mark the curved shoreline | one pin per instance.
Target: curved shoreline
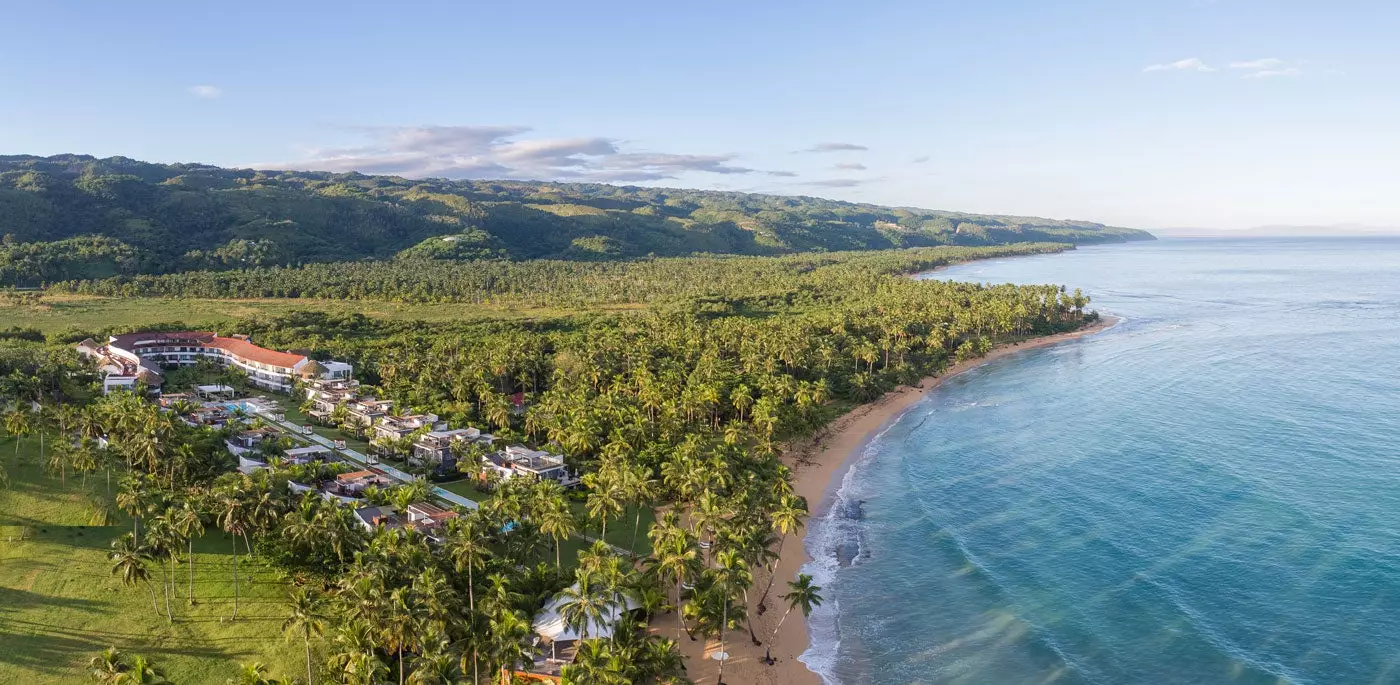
(819, 464)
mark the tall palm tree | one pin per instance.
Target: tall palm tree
(304, 616)
(232, 511)
(129, 563)
(641, 491)
(188, 523)
(556, 519)
(587, 602)
(18, 425)
(604, 496)
(509, 632)
(801, 594)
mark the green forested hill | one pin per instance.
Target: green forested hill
(72, 216)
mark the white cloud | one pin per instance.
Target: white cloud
(1254, 64)
(836, 147)
(850, 166)
(1275, 73)
(205, 91)
(498, 152)
(1190, 64)
(836, 183)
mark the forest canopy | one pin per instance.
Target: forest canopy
(132, 218)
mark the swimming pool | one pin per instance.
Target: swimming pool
(242, 405)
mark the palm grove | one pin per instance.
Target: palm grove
(682, 406)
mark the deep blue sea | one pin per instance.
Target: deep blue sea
(1207, 493)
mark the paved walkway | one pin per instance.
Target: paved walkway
(362, 460)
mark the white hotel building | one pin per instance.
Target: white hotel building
(127, 358)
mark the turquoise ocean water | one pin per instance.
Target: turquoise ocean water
(1207, 493)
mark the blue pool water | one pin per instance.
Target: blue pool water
(1207, 493)
(240, 405)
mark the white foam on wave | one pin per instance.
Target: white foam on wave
(825, 536)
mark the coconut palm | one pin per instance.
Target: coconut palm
(556, 519)
(188, 523)
(585, 603)
(304, 616)
(604, 496)
(233, 513)
(801, 594)
(105, 667)
(140, 672)
(509, 632)
(253, 673)
(641, 491)
(129, 563)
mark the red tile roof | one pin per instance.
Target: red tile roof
(236, 346)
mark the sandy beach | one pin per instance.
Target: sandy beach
(818, 465)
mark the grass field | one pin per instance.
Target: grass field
(54, 313)
(60, 605)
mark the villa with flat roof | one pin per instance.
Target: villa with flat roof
(138, 357)
(518, 460)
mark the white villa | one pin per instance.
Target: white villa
(518, 460)
(132, 357)
(395, 427)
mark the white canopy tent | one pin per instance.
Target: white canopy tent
(550, 625)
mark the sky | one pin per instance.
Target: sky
(1157, 114)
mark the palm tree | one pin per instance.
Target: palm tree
(105, 667)
(253, 673)
(435, 666)
(604, 496)
(163, 543)
(233, 516)
(801, 594)
(129, 562)
(17, 425)
(509, 632)
(188, 524)
(732, 577)
(556, 519)
(141, 672)
(587, 602)
(641, 490)
(674, 556)
(304, 616)
(134, 497)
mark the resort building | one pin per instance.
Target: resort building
(396, 427)
(325, 394)
(353, 484)
(518, 460)
(249, 440)
(370, 518)
(436, 447)
(367, 411)
(138, 357)
(428, 519)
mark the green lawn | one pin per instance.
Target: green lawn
(60, 605)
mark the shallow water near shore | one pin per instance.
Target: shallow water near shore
(1208, 492)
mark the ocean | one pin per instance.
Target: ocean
(1208, 492)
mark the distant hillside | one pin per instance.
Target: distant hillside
(73, 216)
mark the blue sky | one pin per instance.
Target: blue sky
(1145, 113)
